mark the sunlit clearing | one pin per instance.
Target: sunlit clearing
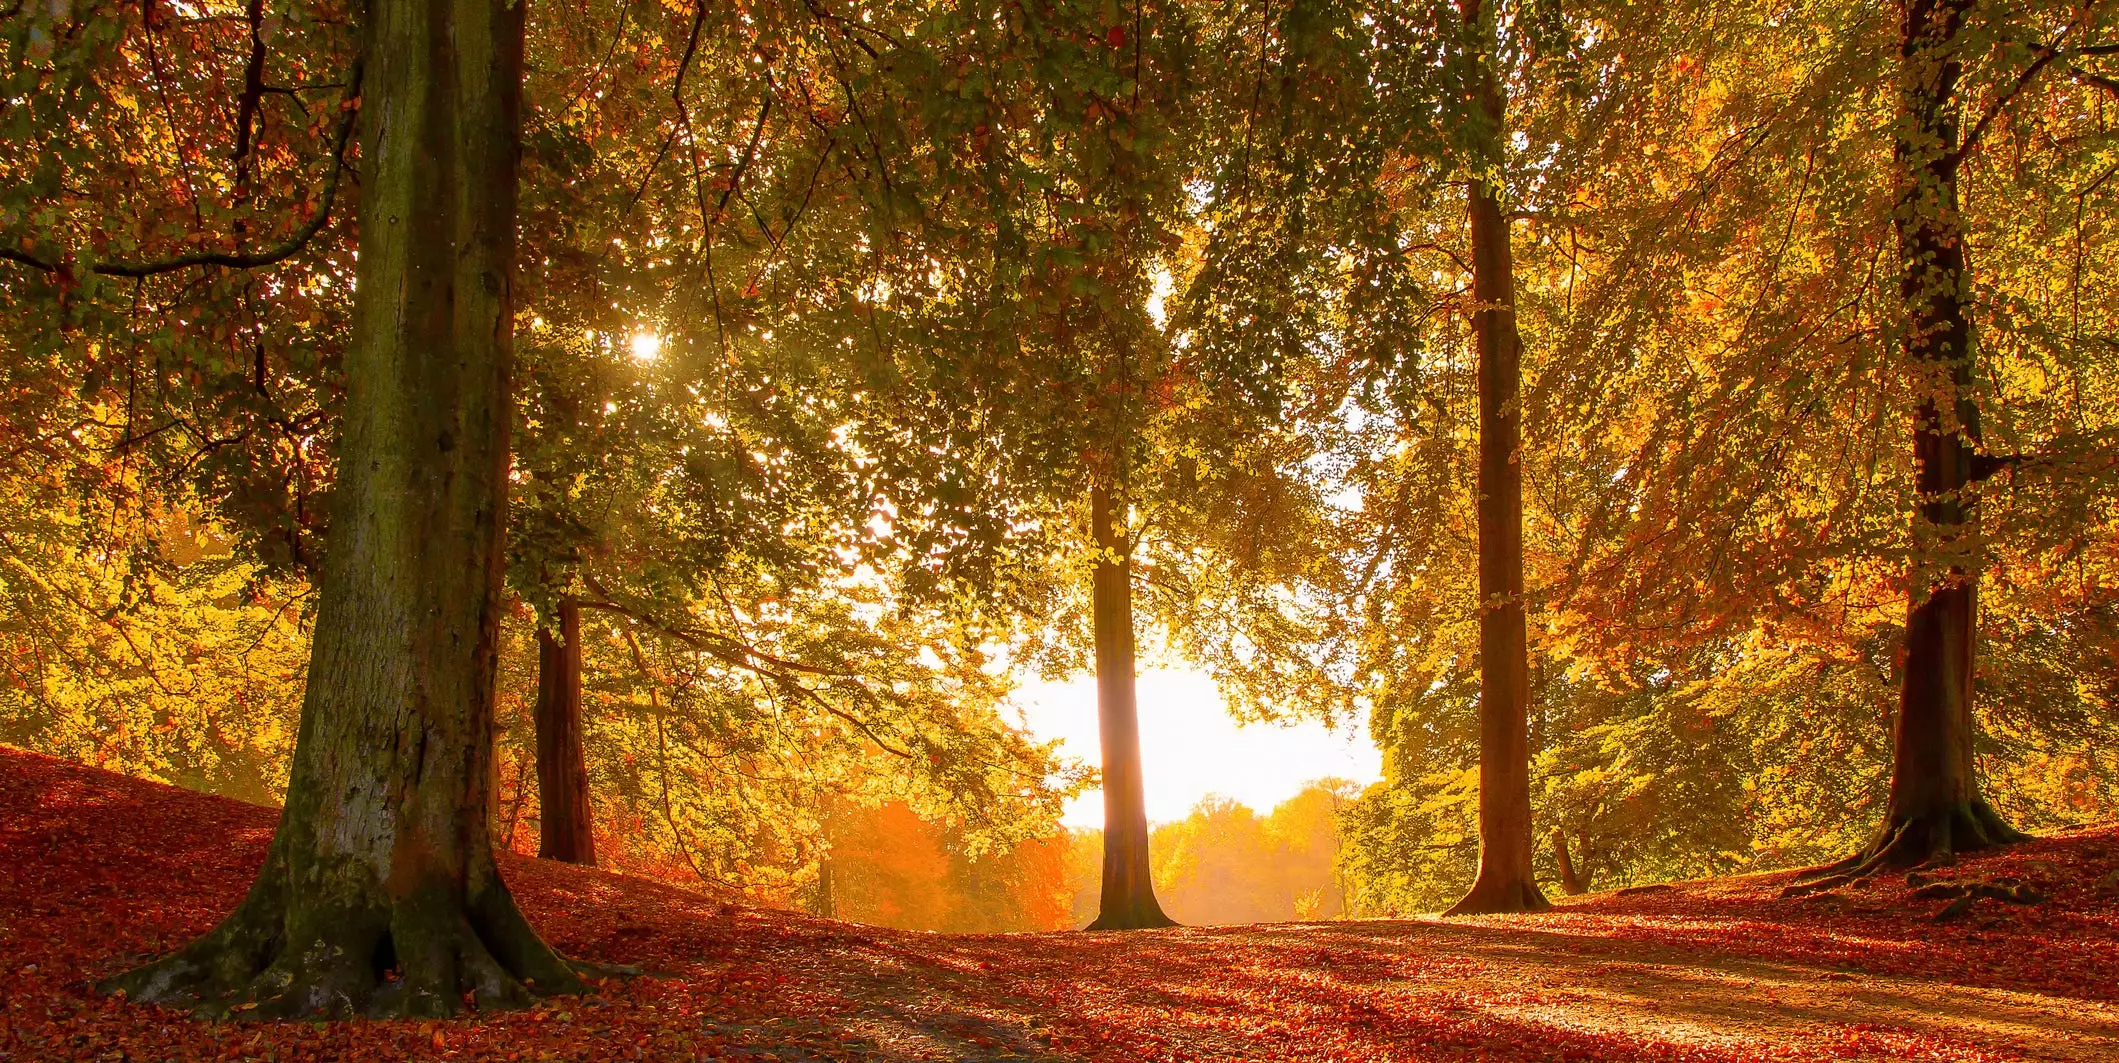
(1191, 748)
(646, 346)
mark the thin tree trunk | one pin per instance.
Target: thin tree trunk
(514, 814)
(1570, 881)
(1506, 881)
(1129, 889)
(827, 901)
(379, 894)
(564, 818)
(1936, 805)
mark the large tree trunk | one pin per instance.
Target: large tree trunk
(1506, 880)
(1936, 806)
(564, 819)
(379, 893)
(1129, 890)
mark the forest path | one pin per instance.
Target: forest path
(1426, 989)
(98, 871)
(1666, 994)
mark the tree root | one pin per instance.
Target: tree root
(425, 956)
(1962, 895)
(592, 969)
(1145, 915)
(1932, 839)
(1490, 896)
(1653, 887)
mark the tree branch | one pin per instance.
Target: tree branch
(2046, 54)
(246, 110)
(741, 655)
(2099, 80)
(350, 108)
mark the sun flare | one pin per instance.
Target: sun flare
(647, 346)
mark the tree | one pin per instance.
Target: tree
(1935, 806)
(1506, 881)
(1010, 320)
(1746, 505)
(1224, 863)
(563, 815)
(379, 894)
(1128, 898)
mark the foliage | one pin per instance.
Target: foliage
(1224, 863)
(135, 639)
(193, 674)
(729, 774)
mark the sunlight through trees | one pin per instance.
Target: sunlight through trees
(661, 437)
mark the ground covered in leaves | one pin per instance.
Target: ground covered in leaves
(98, 871)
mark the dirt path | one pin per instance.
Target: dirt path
(1491, 980)
(1666, 995)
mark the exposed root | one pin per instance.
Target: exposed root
(1146, 915)
(1816, 886)
(1931, 839)
(1962, 895)
(1491, 896)
(1836, 869)
(421, 957)
(592, 969)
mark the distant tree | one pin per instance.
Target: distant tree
(1217, 866)
(1128, 881)
(1306, 831)
(565, 827)
(1224, 863)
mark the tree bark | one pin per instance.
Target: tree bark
(1571, 881)
(827, 903)
(379, 894)
(1936, 806)
(1129, 889)
(564, 818)
(1506, 881)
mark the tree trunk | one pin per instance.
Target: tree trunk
(1570, 881)
(379, 894)
(1936, 806)
(1506, 881)
(827, 903)
(1129, 890)
(562, 772)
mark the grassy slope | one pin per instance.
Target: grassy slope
(98, 871)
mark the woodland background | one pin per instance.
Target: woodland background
(814, 528)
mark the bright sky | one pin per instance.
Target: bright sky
(1191, 748)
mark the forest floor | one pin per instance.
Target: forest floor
(99, 871)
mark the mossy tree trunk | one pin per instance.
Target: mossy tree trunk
(1936, 806)
(1506, 881)
(379, 894)
(1128, 898)
(564, 819)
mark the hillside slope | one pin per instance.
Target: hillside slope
(98, 871)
